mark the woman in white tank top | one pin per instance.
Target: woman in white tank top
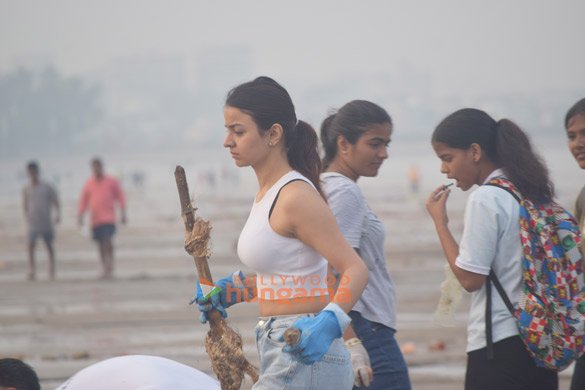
(289, 238)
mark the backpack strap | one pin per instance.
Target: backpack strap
(492, 278)
(505, 184)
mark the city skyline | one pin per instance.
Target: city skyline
(160, 73)
(464, 46)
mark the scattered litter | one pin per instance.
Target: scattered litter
(408, 348)
(437, 345)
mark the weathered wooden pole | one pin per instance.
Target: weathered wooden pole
(223, 344)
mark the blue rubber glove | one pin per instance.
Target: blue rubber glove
(233, 285)
(317, 334)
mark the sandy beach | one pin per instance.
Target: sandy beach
(62, 326)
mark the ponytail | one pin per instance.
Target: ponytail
(505, 144)
(522, 165)
(329, 145)
(303, 154)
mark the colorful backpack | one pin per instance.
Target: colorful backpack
(551, 308)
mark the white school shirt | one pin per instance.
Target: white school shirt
(140, 372)
(491, 239)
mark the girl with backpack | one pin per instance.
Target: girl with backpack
(355, 140)
(289, 239)
(473, 149)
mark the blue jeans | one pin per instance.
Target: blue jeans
(389, 367)
(279, 371)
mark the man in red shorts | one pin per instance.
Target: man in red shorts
(100, 193)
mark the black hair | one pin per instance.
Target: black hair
(350, 121)
(15, 373)
(32, 166)
(578, 108)
(505, 144)
(268, 103)
(97, 160)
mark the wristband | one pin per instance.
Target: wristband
(353, 341)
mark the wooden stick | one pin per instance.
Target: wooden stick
(188, 214)
(223, 344)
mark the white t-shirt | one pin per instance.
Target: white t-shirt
(365, 232)
(139, 372)
(491, 239)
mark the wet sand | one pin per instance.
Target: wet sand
(62, 326)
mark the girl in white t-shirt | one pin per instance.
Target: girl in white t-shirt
(473, 148)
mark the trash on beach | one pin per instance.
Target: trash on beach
(451, 294)
(408, 348)
(436, 345)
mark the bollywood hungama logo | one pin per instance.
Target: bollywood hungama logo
(205, 290)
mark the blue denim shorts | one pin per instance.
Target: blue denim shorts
(279, 371)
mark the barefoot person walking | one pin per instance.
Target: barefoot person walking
(100, 194)
(39, 198)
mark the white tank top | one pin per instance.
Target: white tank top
(286, 268)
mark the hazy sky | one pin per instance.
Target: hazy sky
(465, 47)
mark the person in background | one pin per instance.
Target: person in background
(39, 198)
(575, 127)
(414, 178)
(288, 240)
(100, 194)
(355, 140)
(17, 375)
(473, 149)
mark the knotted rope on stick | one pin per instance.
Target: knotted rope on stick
(196, 240)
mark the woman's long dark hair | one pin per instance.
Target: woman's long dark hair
(350, 121)
(268, 103)
(505, 144)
